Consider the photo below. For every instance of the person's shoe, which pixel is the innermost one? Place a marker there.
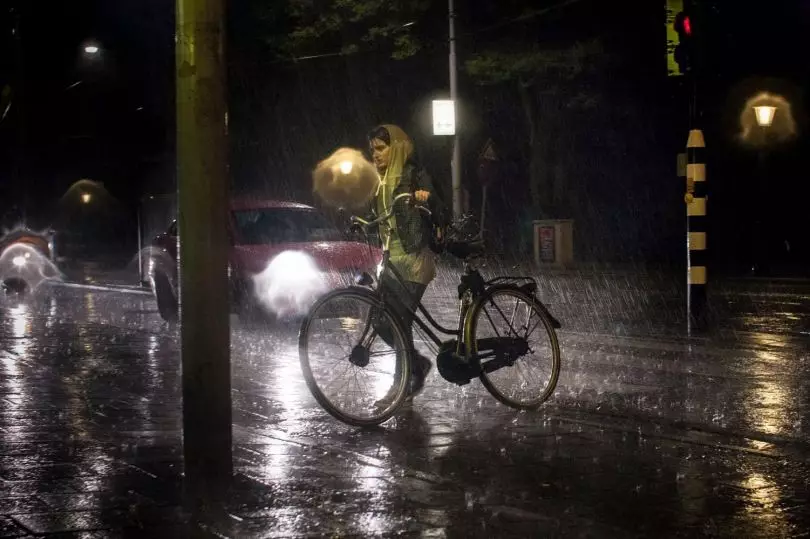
(418, 377)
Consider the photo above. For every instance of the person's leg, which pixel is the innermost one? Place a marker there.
(421, 365)
(397, 297)
(403, 299)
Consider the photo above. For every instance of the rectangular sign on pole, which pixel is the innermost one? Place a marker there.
(444, 117)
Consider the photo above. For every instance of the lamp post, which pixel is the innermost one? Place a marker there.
(456, 162)
(765, 115)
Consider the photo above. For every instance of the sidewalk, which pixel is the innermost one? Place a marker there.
(598, 300)
(105, 273)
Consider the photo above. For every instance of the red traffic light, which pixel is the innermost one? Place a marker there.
(687, 25)
(683, 24)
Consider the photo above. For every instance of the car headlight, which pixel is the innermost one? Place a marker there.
(21, 260)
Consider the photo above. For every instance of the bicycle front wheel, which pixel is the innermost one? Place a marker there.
(516, 337)
(355, 357)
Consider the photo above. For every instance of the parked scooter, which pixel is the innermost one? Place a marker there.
(26, 260)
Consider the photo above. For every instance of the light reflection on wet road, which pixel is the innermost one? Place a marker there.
(645, 436)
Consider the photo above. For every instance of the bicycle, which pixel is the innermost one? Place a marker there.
(462, 357)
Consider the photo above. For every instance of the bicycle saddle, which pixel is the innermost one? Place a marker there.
(464, 249)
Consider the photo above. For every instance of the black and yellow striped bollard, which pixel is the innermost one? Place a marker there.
(696, 222)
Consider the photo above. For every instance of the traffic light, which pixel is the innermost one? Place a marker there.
(684, 49)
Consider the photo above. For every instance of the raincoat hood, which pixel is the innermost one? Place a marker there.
(401, 150)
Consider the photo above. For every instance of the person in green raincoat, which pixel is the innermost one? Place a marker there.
(409, 235)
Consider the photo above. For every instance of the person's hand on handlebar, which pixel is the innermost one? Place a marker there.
(421, 196)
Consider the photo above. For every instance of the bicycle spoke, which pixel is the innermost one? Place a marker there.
(380, 354)
(512, 330)
(357, 380)
(539, 320)
(497, 333)
(514, 313)
(344, 384)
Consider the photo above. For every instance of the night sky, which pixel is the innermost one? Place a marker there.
(117, 124)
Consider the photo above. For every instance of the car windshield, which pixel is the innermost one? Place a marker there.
(283, 225)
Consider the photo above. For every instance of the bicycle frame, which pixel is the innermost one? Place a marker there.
(420, 308)
(471, 281)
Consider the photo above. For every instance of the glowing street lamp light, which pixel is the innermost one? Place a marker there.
(86, 198)
(765, 114)
(92, 49)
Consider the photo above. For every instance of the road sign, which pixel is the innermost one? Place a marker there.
(444, 117)
(488, 153)
(487, 163)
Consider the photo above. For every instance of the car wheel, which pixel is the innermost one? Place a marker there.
(166, 300)
(251, 313)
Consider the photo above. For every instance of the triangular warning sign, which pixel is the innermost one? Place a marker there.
(488, 152)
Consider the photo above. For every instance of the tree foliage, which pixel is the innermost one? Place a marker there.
(545, 76)
(318, 27)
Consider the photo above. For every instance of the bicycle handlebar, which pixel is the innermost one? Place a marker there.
(390, 213)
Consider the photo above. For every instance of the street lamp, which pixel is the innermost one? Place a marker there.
(765, 114)
(91, 49)
(86, 198)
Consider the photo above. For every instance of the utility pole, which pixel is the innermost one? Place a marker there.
(20, 189)
(456, 162)
(203, 195)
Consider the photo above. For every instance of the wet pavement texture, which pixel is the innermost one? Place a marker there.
(649, 433)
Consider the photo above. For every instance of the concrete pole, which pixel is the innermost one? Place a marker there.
(140, 241)
(696, 202)
(456, 162)
(19, 101)
(202, 217)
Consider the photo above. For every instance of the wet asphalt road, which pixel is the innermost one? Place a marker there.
(649, 434)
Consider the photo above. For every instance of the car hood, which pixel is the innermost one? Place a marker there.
(328, 255)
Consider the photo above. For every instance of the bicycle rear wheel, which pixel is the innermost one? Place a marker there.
(352, 372)
(527, 378)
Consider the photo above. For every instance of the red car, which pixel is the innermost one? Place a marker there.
(283, 255)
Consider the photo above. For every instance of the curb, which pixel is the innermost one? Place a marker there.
(126, 289)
